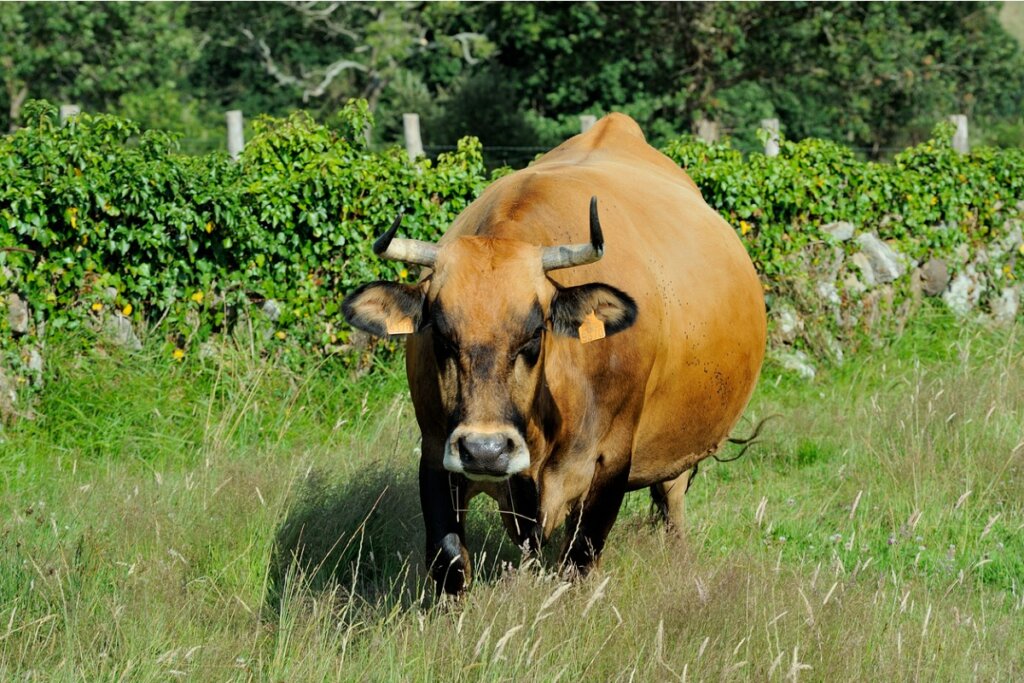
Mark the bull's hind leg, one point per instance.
(443, 498)
(669, 499)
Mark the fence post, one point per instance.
(960, 142)
(707, 130)
(236, 138)
(69, 111)
(771, 145)
(587, 121)
(413, 141)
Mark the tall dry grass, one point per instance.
(238, 523)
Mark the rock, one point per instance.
(796, 361)
(853, 285)
(934, 277)
(828, 292)
(886, 264)
(867, 273)
(119, 329)
(1005, 308)
(840, 230)
(271, 310)
(788, 323)
(17, 314)
(35, 360)
(8, 397)
(964, 292)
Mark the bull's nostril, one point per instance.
(484, 450)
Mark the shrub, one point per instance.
(98, 218)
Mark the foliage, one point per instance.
(101, 221)
(106, 220)
(90, 54)
(871, 75)
(929, 199)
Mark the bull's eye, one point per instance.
(530, 351)
(445, 347)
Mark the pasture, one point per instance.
(229, 520)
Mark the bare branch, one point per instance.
(316, 11)
(466, 40)
(330, 73)
(307, 80)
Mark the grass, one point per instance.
(231, 521)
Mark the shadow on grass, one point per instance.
(364, 537)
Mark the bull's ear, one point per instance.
(590, 312)
(385, 308)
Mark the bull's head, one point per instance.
(489, 315)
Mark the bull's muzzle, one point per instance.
(486, 454)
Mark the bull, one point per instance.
(558, 359)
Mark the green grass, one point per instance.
(231, 520)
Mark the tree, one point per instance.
(273, 57)
(89, 53)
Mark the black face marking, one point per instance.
(532, 333)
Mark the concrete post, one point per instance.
(236, 136)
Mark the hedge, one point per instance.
(100, 219)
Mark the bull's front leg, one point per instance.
(443, 498)
(587, 527)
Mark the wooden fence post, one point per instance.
(586, 122)
(960, 142)
(236, 136)
(69, 111)
(707, 130)
(413, 141)
(771, 145)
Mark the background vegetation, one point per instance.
(106, 226)
(874, 76)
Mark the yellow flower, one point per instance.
(178, 354)
(934, 200)
(209, 226)
(97, 307)
(1021, 250)
(127, 310)
(73, 213)
(403, 273)
(281, 334)
(198, 297)
(745, 227)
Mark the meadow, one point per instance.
(228, 519)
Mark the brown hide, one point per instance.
(652, 400)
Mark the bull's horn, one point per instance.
(407, 251)
(569, 255)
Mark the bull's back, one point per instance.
(696, 350)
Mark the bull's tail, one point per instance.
(747, 442)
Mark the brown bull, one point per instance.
(557, 378)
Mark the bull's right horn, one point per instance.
(408, 251)
(569, 255)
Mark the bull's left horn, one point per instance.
(406, 251)
(569, 255)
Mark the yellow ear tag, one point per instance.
(401, 326)
(592, 329)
